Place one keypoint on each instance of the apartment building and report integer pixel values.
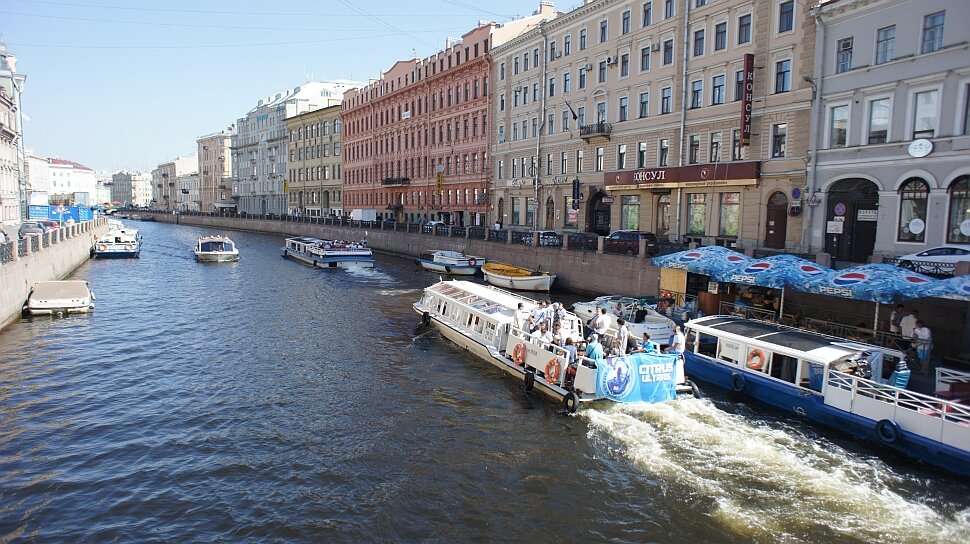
(131, 188)
(315, 186)
(259, 147)
(13, 161)
(165, 194)
(891, 175)
(685, 118)
(188, 194)
(215, 171)
(416, 140)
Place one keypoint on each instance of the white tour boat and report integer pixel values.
(119, 242)
(321, 253)
(59, 298)
(216, 249)
(832, 381)
(639, 317)
(482, 319)
(450, 262)
(516, 277)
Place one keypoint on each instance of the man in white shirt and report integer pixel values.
(677, 342)
(521, 317)
(622, 336)
(602, 322)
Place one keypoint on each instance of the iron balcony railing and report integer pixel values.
(601, 128)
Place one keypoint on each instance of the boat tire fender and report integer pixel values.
(426, 319)
(472, 262)
(888, 431)
(530, 380)
(695, 390)
(737, 382)
(570, 403)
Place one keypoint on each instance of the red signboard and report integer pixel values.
(747, 98)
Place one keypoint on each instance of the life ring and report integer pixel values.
(666, 294)
(737, 382)
(472, 262)
(756, 359)
(570, 403)
(888, 431)
(530, 380)
(553, 370)
(518, 354)
(102, 247)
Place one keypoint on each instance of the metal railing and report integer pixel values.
(923, 267)
(601, 128)
(582, 241)
(521, 237)
(745, 311)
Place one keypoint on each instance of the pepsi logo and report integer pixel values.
(735, 259)
(850, 278)
(811, 270)
(757, 268)
(916, 280)
(690, 257)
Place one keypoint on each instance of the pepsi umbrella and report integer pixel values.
(776, 272)
(956, 288)
(707, 260)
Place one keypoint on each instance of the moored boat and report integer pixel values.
(450, 262)
(639, 316)
(831, 381)
(516, 277)
(321, 253)
(119, 242)
(216, 249)
(60, 298)
(482, 320)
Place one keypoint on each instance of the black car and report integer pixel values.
(628, 242)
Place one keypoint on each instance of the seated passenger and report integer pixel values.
(594, 350)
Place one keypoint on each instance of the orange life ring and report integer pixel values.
(518, 354)
(553, 370)
(472, 262)
(102, 247)
(666, 294)
(129, 246)
(756, 359)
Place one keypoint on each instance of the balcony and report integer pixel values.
(396, 181)
(596, 130)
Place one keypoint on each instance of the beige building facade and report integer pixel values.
(649, 105)
(215, 171)
(315, 180)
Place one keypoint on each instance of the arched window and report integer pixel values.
(958, 228)
(912, 210)
(336, 126)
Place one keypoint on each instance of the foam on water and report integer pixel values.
(770, 482)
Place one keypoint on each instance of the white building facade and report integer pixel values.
(12, 158)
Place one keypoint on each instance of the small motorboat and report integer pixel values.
(216, 249)
(450, 262)
(516, 277)
(59, 298)
(640, 317)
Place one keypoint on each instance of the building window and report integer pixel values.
(579, 161)
(924, 114)
(668, 52)
(737, 149)
(958, 229)
(567, 45)
(696, 94)
(878, 121)
(843, 55)
(599, 159)
(550, 124)
(720, 36)
(838, 125)
(717, 90)
(912, 210)
(624, 64)
(630, 212)
(783, 76)
(624, 109)
(668, 9)
(665, 100)
(581, 115)
(582, 39)
(501, 169)
(699, 42)
(778, 136)
(730, 214)
(696, 213)
(966, 109)
(644, 104)
(515, 66)
(932, 32)
(642, 155)
(604, 35)
(645, 59)
(715, 147)
(552, 86)
(602, 72)
(566, 82)
(786, 16)
(626, 22)
(516, 212)
(738, 85)
(552, 51)
(744, 29)
(647, 14)
(621, 157)
(693, 148)
(601, 112)
(886, 44)
(663, 150)
(562, 162)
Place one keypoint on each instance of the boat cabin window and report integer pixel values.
(705, 344)
(758, 360)
(729, 351)
(783, 367)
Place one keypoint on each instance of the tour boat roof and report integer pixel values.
(482, 297)
(66, 289)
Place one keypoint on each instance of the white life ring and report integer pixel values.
(472, 262)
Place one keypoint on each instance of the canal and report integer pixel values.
(267, 401)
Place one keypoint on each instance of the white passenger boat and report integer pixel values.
(827, 380)
(640, 317)
(481, 319)
(516, 277)
(216, 249)
(321, 253)
(119, 242)
(59, 298)
(450, 262)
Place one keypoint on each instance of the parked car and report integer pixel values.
(628, 242)
(30, 228)
(49, 224)
(547, 238)
(929, 261)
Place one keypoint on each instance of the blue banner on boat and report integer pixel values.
(638, 377)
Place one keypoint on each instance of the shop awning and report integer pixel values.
(707, 260)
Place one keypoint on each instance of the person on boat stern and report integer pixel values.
(647, 345)
(677, 342)
(594, 350)
(521, 317)
(622, 336)
(923, 342)
(601, 323)
(543, 333)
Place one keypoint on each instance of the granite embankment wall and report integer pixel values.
(57, 255)
(586, 272)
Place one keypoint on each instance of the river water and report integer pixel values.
(267, 401)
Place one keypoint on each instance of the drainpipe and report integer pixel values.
(683, 110)
(816, 83)
(541, 125)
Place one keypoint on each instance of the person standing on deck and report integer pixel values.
(895, 319)
(622, 336)
(677, 342)
(923, 342)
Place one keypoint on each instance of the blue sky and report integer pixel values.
(119, 84)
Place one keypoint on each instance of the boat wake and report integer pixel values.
(769, 482)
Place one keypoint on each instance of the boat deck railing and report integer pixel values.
(930, 417)
(556, 351)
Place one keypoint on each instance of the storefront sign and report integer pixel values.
(965, 227)
(649, 175)
(920, 148)
(607, 200)
(712, 287)
(747, 98)
(833, 227)
(518, 182)
(558, 180)
(917, 226)
(867, 215)
(707, 175)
